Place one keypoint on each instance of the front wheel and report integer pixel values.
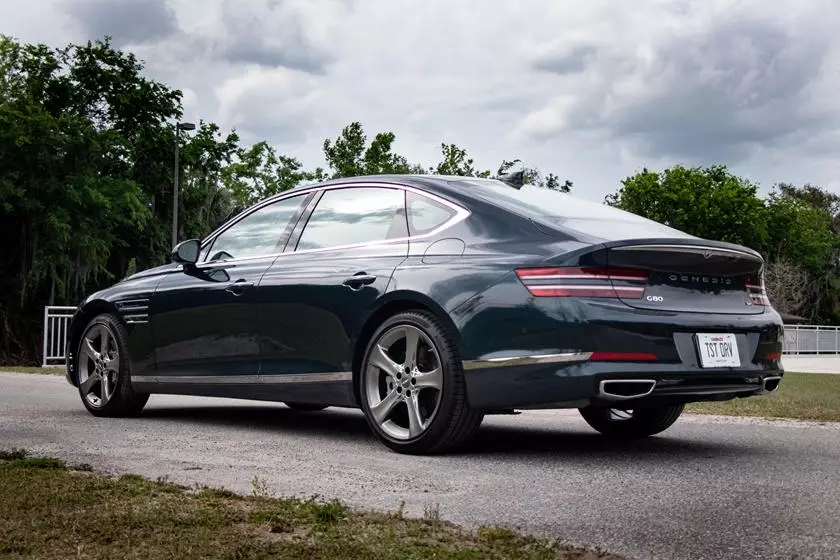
(632, 423)
(103, 370)
(413, 391)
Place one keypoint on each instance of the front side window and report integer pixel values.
(425, 214)
(258, 233)
(355, 215)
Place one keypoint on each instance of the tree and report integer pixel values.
(456, 162)
(788, 286)
(802, 231)
(206, 201)
(349, 155)
(85, 166)
(258, 172)
(710, 203)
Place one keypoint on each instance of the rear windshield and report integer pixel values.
(569, 212)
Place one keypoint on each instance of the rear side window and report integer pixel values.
(425, 214)
(355, 215)
(571, 213)
(258, 233)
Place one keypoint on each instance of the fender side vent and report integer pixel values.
(134, 311)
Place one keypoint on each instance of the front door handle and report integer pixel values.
(238, 287)
(358, 280)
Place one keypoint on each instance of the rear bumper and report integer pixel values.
(570, 385)
(531, 352)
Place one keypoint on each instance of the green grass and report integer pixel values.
(51, 511)
(804, 396)
(26, 369)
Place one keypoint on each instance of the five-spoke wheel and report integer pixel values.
(103, 370)
(99, 365)
(403, 382)
(412, 386)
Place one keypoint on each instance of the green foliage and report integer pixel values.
(710, 203)
(456, 162)
(349, 155)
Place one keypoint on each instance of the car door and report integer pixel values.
(314, 298)
(204, 316)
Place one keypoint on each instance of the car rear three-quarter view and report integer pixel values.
(429, 302)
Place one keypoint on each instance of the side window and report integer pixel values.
(355, 215)
(257, 233)
(425, 214)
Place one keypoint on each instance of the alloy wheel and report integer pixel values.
(403, 382)
(620, 414)
(99, 365)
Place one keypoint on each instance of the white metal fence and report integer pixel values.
(811, 339)
(799, 339)
(56, 326)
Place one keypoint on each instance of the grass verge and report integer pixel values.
(40, 370)
(804, 396)
(49, 510)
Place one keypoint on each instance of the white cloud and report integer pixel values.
(593, 91)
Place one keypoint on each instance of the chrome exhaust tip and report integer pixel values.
(770, 384)
(624, 389)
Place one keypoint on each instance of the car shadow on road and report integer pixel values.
(566, 441)
(569, 443)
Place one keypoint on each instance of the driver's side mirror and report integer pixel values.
(186, 252)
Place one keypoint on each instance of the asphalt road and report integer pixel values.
(708, 488)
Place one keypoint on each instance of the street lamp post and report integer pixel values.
(178, 128)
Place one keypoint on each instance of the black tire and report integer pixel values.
(125, 401)
(643, 422)
(455, 421)
(304, 407)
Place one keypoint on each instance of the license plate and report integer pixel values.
(718, 350)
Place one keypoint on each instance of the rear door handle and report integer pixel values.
(358, 280)
(238, 287)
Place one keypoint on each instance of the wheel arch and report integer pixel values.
(83, 317)
(390, 305)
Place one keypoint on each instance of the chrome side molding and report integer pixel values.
(290, 378)
(508, 361)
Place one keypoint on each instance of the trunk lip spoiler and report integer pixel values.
(704, 249)
(686, 245)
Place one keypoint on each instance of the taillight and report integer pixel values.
(755, 287)
(584, 282)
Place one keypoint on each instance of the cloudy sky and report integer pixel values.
(592, 91)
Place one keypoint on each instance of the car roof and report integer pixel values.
(445, 185)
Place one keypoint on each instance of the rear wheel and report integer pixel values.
(104, 370)
(632, 423)
(413, 391)
(304, 407)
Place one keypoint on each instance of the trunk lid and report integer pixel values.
(691, 275)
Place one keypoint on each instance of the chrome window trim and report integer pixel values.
(508, 361)
(277, 379)
(210, 239)
(460, 215)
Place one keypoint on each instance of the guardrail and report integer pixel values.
(56, 324)
(811, 339)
